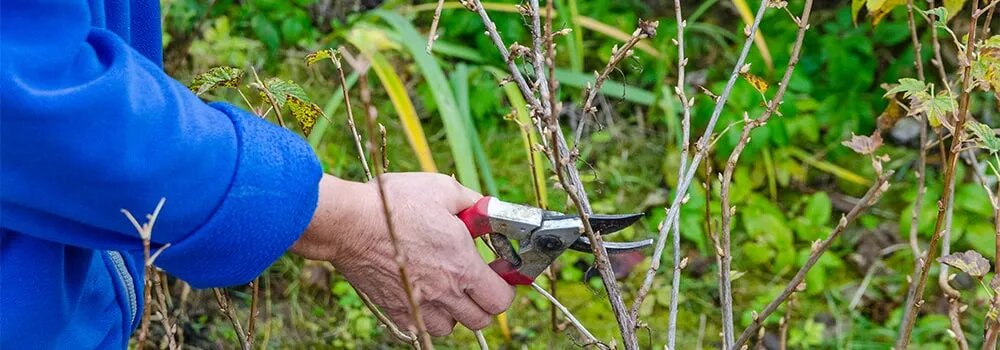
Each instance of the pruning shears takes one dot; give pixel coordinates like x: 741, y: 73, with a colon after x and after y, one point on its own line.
x: 542, y: 235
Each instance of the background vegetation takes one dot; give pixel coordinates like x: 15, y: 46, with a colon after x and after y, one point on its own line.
x: 794, y: 180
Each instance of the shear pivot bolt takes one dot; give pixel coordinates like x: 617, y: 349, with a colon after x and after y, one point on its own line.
x: 549, y: 243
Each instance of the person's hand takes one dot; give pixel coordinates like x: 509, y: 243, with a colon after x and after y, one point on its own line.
x: 451, y: 282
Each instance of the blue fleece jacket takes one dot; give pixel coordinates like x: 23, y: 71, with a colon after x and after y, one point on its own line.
x: 90, y: 124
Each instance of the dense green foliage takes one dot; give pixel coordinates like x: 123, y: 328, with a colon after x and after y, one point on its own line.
x: 794, y: 180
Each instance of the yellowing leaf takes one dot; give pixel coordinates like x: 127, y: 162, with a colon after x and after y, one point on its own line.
x: 856, y: 6
x: 215, y: 78
x: 878, y: 9
x: 324, y: 54
x: 937, y: 107
x: 864, y: 144
x: 401, y: 102
x: 986, y: 69
x: 758, y: 83
x: 953, y: 7
x: 891, y: 115
x: 304, y: 112
x: 970, y: 262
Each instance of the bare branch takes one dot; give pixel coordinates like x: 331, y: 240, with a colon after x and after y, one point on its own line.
x: 723, y: 248
x: 915, y: 293
x: 228, y: 309
x: 350, y: 113
x: 661, y: 239
x: 819, y: 247
x: 400, y: 254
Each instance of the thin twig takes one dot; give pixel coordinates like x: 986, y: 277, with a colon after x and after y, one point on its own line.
x: 685, y: 149
x: 783, y: 323
x: 483, y: 345
x: 915, y: 293
x: 433, y: 35
x: 725, y: 281
x: 228, y: 309
x: 587, y: 336
x: 350, y: 115
x: 951, y: 294
x: 400, y: 254
x: 145, y: 232
x: 922, y: 162
x: 819, y: 247
x: 253, y: 310
x: 564, y: 166
x: 647, y: 282
x: 618, y: 54
x: 538, y: 61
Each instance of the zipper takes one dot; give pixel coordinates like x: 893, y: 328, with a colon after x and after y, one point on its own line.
x: 127, y: 281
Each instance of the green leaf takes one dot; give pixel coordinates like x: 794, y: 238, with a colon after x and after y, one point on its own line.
x: 940, y: 16
x: 460, y: 84
x: 282, y: 90
x: 937, y: 107
x: 818, y: 209
x: 265, y: 31
x: 908, y: 86
x: 215, y: 78
x: 986, y: 138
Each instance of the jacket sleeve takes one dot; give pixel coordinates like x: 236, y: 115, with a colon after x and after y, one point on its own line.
x: 88, y: 127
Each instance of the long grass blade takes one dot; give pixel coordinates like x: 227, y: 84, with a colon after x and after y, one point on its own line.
x: 458, y: 137
x: 460, y: 84
x: 828, y: 167
x: 404, y: 108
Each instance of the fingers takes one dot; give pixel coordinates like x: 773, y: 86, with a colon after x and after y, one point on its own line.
x: 439, y: 323
x: 437, y: 320
x: 488, y: 290
x: 466, y: 312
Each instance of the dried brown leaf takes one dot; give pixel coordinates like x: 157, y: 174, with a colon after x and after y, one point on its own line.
x: 970, y: 262
x: 864, y: 144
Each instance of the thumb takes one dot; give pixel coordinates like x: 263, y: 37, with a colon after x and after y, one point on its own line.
x: 459, y: 197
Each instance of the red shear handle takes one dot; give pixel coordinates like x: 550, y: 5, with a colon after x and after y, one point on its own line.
x: 477, y: 217
x: 509, y: 273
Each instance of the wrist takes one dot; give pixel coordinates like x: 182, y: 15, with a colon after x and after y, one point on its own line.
x: 340, y: 215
